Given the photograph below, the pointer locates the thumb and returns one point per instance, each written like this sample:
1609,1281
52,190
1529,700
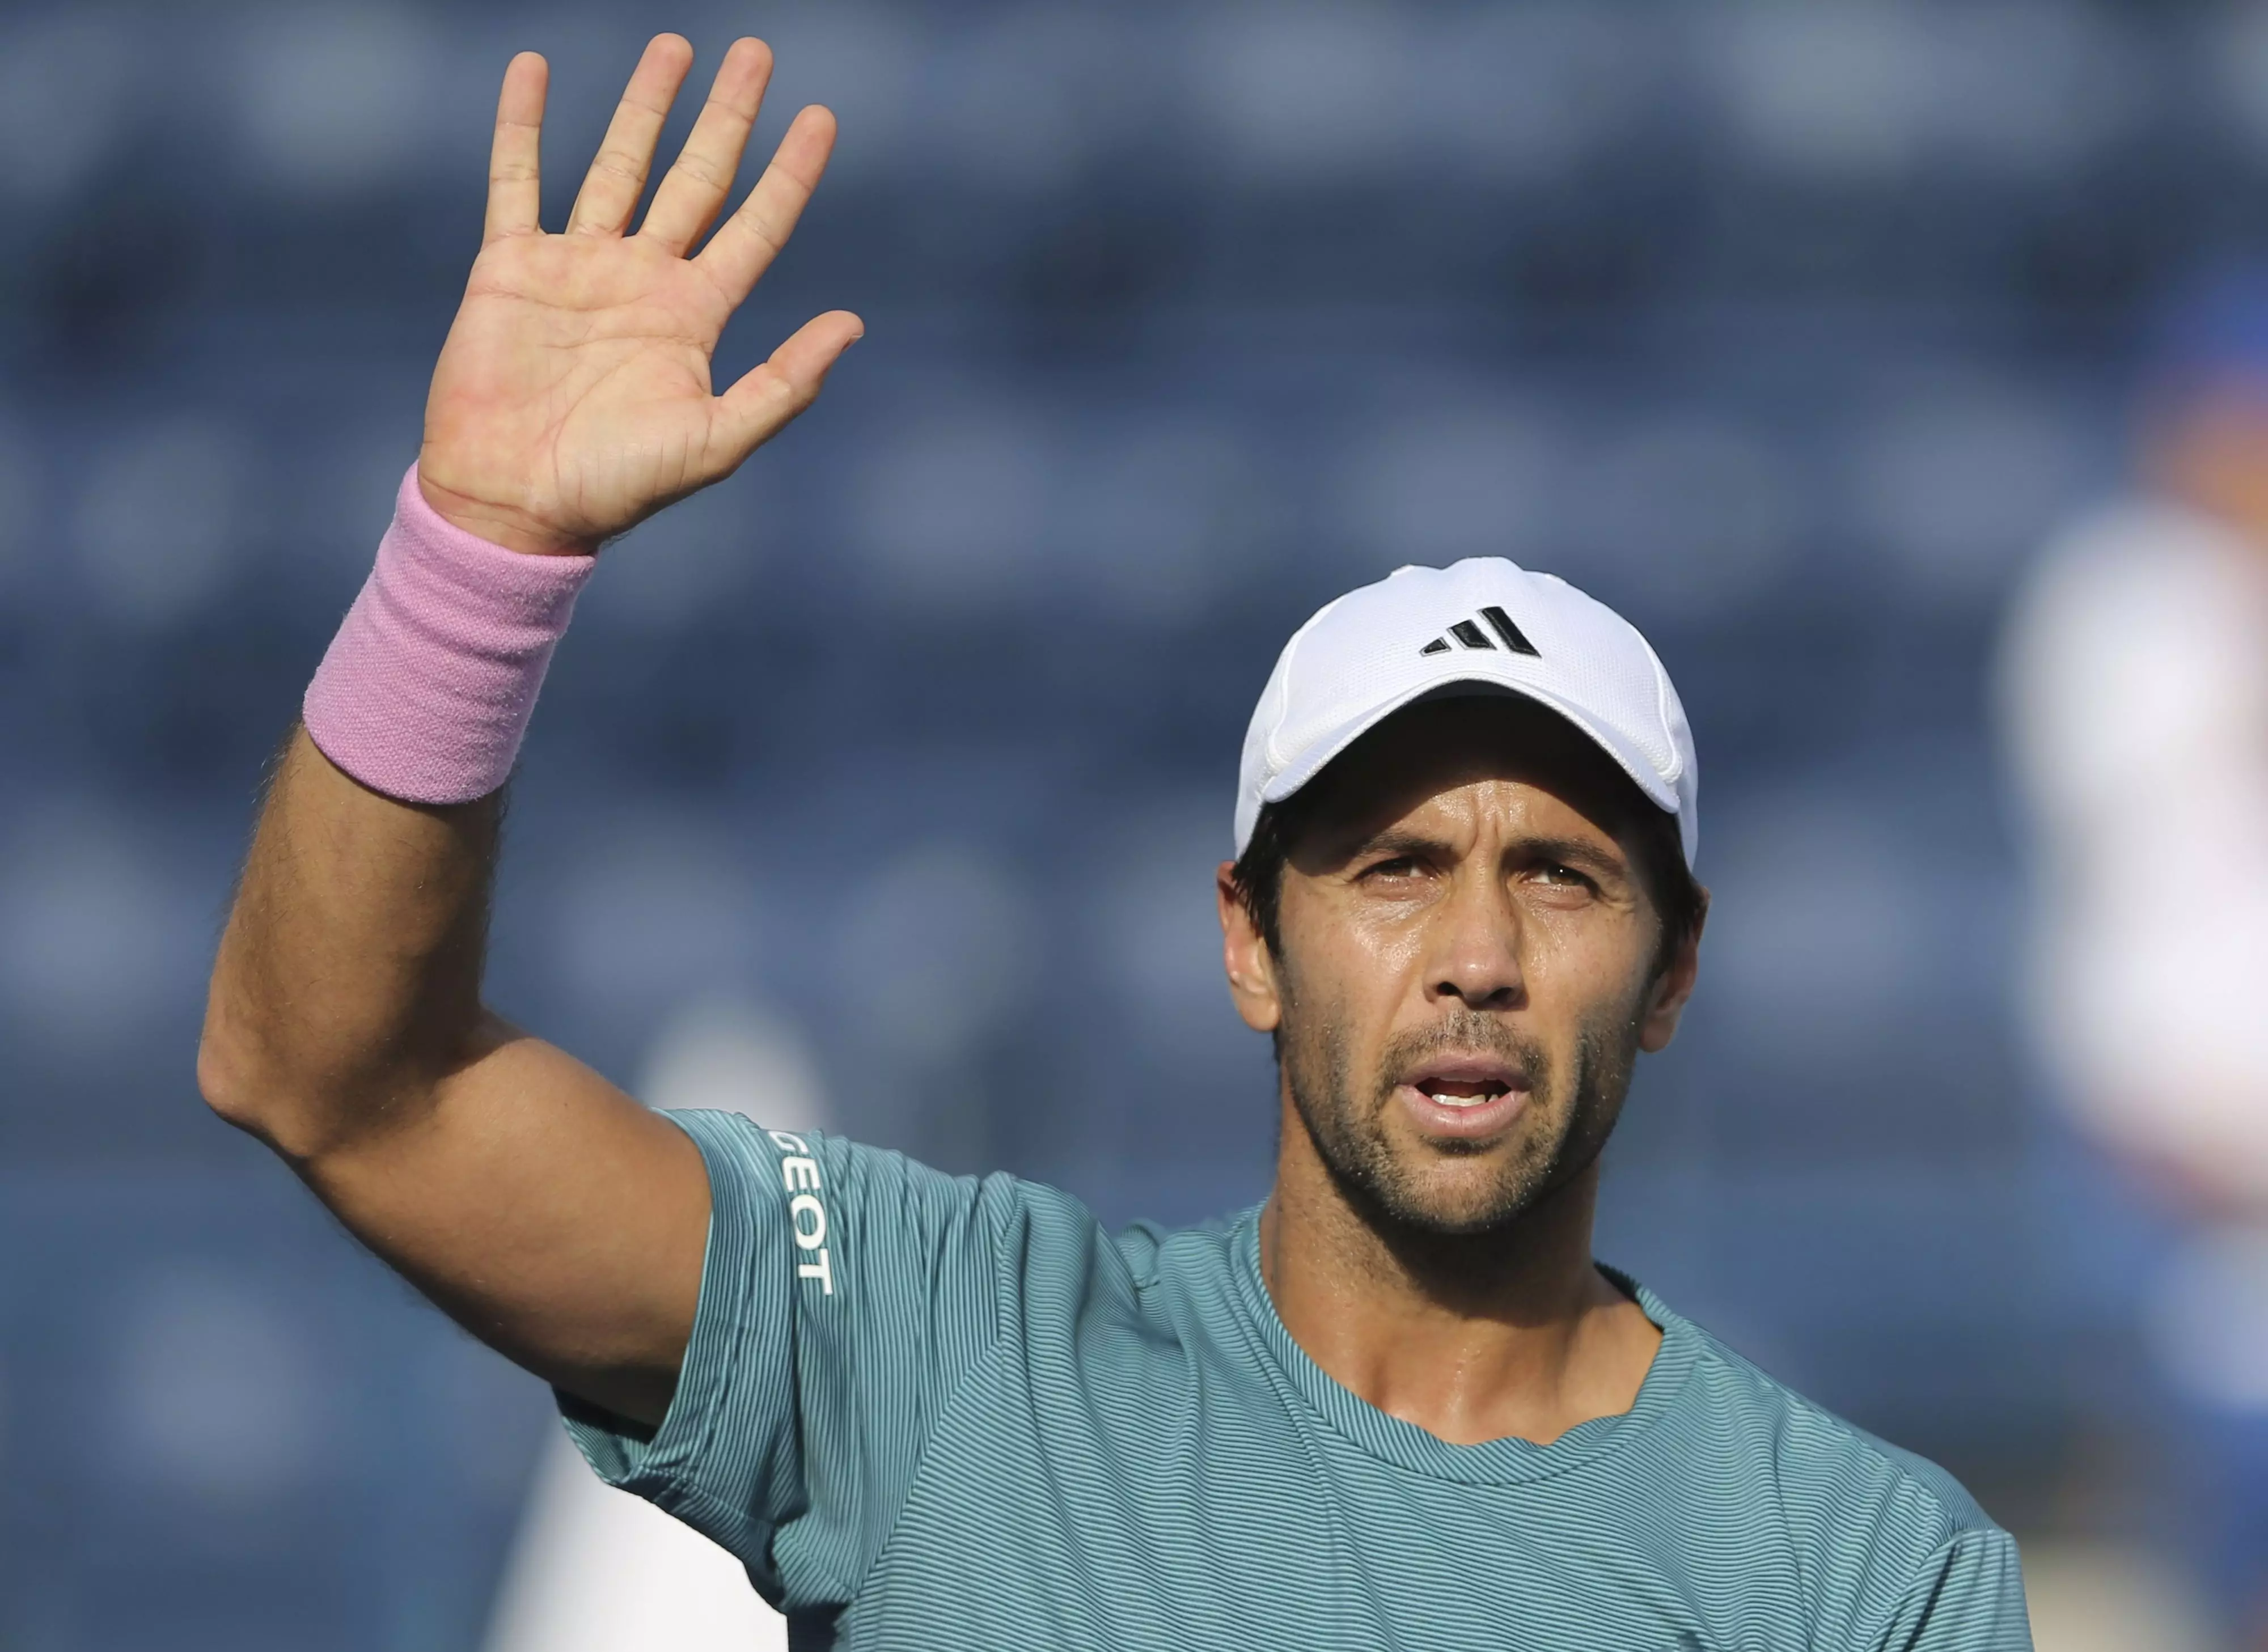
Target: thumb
766,397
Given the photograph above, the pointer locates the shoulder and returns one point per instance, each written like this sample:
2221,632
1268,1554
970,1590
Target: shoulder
1180,1258
1876,1544
1835,1484
1031,1235
739,1149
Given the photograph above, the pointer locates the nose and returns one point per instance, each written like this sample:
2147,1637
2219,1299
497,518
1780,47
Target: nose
1475,947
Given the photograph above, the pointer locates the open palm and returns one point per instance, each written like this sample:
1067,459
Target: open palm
573,398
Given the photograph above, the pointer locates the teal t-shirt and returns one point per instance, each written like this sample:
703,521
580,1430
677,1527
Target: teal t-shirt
932,1413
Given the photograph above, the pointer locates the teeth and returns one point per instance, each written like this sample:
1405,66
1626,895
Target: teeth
1461,1101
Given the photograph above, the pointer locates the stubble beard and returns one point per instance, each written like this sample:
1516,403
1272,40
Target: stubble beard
1559,1132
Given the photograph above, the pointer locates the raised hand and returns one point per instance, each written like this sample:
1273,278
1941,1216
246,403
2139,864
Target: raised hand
573,398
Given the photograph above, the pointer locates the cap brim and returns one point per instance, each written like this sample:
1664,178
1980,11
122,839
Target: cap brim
1661,793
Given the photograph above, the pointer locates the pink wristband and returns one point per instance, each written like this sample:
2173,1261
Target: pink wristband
429,683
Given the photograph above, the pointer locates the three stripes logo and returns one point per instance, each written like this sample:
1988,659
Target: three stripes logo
1514,641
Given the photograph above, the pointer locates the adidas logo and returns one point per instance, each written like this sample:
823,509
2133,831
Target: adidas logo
1471,635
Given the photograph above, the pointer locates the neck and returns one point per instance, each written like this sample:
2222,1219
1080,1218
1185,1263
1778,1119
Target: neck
1513,1333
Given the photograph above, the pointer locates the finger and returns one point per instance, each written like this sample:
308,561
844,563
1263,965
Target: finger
744,247
515,157
694,191
611,188
755,408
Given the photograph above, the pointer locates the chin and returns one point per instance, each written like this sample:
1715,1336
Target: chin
1482,1221
1461,1188
1455,1207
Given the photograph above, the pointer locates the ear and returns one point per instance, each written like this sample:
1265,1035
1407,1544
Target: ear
1251,969
1665,995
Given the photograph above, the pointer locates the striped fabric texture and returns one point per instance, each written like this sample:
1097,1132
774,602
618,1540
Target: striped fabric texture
932,1413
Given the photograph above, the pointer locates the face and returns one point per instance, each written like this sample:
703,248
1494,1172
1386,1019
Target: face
1470,964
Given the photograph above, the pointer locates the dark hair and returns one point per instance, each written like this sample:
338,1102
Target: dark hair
1678,896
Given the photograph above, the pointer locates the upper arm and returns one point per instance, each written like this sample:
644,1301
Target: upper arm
1969,1598
847,1297
544,1210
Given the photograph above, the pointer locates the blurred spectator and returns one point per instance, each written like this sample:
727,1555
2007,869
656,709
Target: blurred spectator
2135,680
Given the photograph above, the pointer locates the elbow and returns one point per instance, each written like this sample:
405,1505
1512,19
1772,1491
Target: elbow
306,1104
244,1084
252,1095
228,1080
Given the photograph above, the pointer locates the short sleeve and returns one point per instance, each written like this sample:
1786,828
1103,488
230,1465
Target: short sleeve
843,1293
1969,1598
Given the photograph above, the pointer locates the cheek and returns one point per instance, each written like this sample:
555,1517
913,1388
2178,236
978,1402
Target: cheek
1589,963
1345,981
1363,961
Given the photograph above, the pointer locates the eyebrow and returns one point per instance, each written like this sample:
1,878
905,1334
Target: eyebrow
1395,841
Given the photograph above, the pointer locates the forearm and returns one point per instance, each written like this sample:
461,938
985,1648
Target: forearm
348,983
348,986
548,1214
533,1201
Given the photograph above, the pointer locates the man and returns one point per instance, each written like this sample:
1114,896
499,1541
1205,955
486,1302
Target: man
1397,1406
2134,678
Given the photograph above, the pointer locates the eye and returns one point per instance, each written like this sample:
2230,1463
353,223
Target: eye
1563,877
1399,866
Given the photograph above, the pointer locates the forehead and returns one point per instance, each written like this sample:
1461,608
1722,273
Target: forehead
1499,753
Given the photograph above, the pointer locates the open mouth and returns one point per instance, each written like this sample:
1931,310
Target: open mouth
1473,1096
1460,1092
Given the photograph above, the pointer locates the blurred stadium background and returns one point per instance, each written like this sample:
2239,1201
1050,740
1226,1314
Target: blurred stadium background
1790,329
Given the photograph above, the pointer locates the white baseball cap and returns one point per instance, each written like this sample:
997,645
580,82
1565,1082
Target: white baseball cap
1483,625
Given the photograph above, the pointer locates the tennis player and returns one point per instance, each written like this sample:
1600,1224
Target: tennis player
1398,1405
